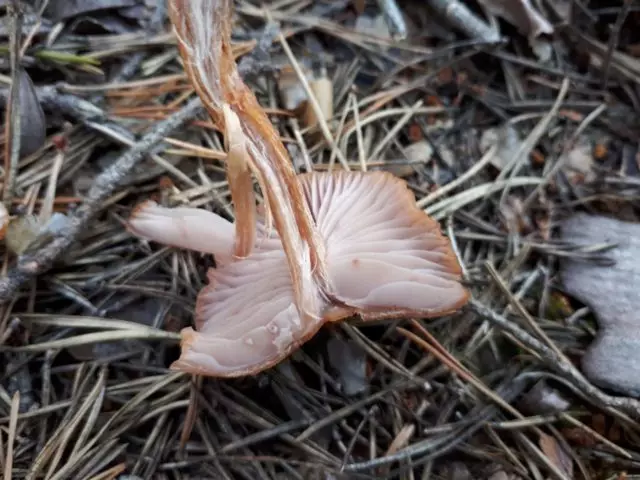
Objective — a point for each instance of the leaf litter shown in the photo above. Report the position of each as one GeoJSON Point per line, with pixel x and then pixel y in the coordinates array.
{"type": "Point", "coordinates": [90, 315]}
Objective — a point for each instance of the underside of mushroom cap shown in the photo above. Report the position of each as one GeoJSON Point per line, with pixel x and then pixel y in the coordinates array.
{"type": "Point", "coordinates": [247, 319]}
{"type": "Point", "coordinates": [385, 257]}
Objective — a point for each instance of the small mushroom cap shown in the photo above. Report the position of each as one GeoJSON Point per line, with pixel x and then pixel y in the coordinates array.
{"type": "Point", "coordinates": [184, 227]}
{"type": "Point", "coordinates": [385, 257]}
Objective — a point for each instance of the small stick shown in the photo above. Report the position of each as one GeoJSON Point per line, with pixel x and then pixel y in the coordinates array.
{"type": "Point", "coordinates": [103, 187]}
{"type": "Point", "coordinates": [628, 406]}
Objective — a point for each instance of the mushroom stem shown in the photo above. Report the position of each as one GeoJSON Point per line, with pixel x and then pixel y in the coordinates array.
{"type": "Point", "coordinates": [203, 30]}
{"type": "Point", "coordinates": [182, 227]}
{"type": "Point", "coordinates": [240, 183]}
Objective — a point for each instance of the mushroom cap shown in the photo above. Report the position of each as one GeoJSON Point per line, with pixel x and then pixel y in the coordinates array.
{"type": "Point", "coordinates": [386, 258]}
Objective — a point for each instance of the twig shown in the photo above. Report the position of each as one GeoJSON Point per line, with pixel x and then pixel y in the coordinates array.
{"type": "Point", "coordinates": [629, 406]}
{"type": "Point", "coordinates": [101, 189]}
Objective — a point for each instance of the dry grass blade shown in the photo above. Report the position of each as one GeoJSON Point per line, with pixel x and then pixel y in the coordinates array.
{"type": "Point", "coordinates": [93, 338]}
{"type": "Point", "coordinates": [13, 426]}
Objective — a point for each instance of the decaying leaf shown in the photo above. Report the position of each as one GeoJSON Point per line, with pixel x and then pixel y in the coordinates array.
{"type": "Point", "coordinates": [556, 454]}
{"type": "Point", "coordinates": [613, 360]}
{"type": "Point", "coordinates": [33, 126]}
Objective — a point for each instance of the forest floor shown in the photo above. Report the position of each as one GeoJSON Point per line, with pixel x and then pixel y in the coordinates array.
{"type": "Point", "coordinates": [502, 126]}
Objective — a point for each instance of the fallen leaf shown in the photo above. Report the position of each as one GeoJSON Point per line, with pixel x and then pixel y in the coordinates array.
{"type": "Point", "coordinates": [33, 126]}
{"type": "Point", "coordinates": [610, 290]}
{"type": "Point", "coordinates": [556, 454]}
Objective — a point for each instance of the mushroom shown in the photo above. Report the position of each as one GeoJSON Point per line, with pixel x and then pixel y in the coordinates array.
{"type": "Point", "coordinates": [385, 257]}
{"type": "Point", "coordinates": [345, 243]}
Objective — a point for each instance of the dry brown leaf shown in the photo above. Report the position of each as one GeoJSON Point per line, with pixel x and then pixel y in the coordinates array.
{"type": "Point", "coordinates": [556, 454]}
